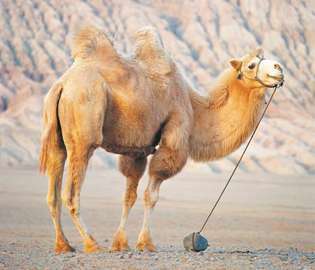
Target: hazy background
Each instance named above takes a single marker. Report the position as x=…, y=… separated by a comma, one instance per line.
x=265, y=219
x=200, y=35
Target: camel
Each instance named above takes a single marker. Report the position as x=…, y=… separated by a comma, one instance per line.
x=138, y=106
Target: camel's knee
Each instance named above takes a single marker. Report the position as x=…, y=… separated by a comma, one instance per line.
x=64, y=199
x=150, y=198
x=72, y=207
x=131, y=195
x=56, y=161
x=166, y=163
x=151, y=194
x=67, y=201
x=52, y=204
x=72, y=203
x=51, y=201
x=132, y=167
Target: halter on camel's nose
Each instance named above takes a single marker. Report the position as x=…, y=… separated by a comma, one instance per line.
x=278, y=73
x=272, y=72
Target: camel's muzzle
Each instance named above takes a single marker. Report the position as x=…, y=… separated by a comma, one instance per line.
x=195, y=242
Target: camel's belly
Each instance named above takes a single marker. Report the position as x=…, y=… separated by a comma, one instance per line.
x=130, y=136
x=136, y=152
x=131, y=142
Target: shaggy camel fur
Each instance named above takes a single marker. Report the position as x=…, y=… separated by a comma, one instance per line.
x=129, y=106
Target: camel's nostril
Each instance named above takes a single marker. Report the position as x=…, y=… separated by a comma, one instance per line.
x=277, y=66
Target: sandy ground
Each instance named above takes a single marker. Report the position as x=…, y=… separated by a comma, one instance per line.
x=263, y=222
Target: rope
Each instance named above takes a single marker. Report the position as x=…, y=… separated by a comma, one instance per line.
x=240, y=159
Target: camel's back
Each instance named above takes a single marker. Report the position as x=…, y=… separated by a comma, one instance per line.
x=133, y=105
x=133, y=96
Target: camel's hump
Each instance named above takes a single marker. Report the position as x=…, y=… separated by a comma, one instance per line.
x=150, y=51
x=88, y=40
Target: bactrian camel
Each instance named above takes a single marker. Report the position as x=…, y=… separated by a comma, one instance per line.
x=137, y=106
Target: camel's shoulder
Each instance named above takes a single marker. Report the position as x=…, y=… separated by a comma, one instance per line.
x=150, y=52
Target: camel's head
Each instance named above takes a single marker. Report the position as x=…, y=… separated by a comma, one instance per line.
x=255, y=71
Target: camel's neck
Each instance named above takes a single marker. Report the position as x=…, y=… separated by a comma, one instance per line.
x=224, y=119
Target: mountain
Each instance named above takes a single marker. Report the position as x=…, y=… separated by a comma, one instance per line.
x=200, y=35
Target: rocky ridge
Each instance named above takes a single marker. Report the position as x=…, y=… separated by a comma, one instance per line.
x=200, y=35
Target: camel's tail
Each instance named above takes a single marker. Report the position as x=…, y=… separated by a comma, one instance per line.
x=51, y=134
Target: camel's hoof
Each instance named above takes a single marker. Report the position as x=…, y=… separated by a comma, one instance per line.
x=92, y=247
x=120, y=241
x=63, y=248
x=115, y=248
x=145, y=242
x=142, y=246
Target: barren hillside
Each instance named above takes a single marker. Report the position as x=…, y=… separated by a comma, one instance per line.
x=201, y=36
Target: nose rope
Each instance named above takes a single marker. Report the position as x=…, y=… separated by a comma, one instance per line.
x=240, y=159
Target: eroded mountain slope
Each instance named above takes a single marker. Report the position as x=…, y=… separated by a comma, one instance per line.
x=201, y=36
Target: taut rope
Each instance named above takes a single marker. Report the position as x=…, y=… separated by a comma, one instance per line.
x=240, y=159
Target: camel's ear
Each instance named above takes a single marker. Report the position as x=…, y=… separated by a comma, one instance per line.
x=236, y=63
x=259, y=52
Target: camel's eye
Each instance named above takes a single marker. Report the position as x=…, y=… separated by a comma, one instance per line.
x=252, y=65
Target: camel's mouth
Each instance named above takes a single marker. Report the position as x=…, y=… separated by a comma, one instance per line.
x=278, y=78
x=278, y=81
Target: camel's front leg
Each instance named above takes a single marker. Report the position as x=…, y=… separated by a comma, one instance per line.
x=168, y=160
x=71, y=196
x=133, y=169
x=164, y=164
x=151, y=196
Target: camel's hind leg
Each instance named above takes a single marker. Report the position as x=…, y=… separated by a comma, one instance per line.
x=77, y=165
x=55, y=172
x=133, y=169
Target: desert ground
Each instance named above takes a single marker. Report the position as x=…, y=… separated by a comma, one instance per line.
x=263, y=222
